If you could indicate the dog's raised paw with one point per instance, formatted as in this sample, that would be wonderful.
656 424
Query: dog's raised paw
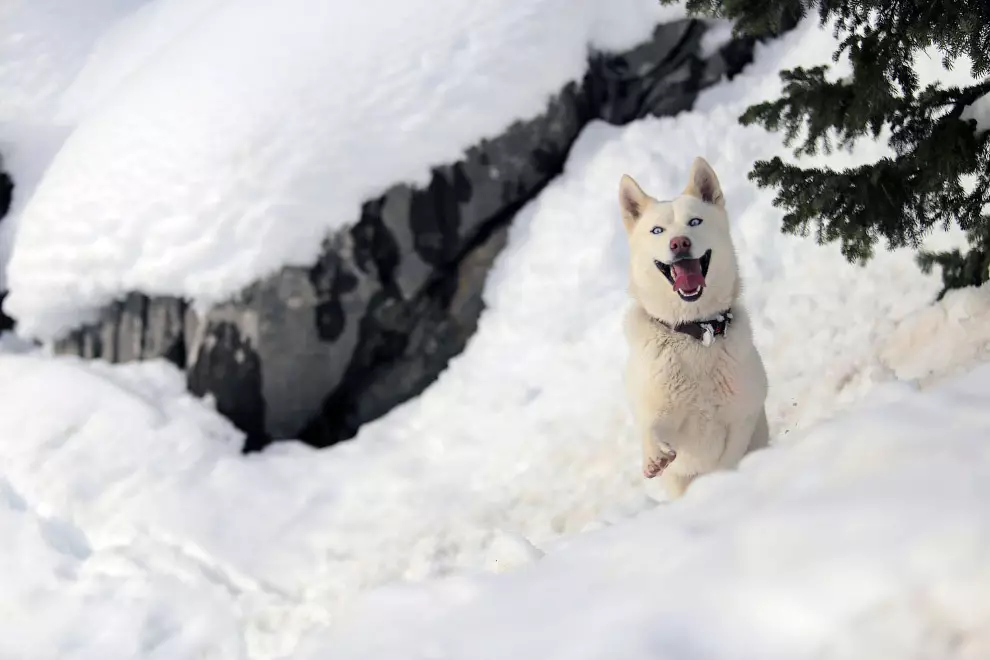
655 466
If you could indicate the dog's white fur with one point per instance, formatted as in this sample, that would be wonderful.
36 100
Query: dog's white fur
697 408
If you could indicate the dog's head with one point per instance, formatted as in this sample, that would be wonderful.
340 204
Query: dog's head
682 262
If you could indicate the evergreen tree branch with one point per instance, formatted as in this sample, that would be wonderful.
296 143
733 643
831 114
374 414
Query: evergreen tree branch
939 172
896 199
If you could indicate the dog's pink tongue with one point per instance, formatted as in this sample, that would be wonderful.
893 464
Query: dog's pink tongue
687 275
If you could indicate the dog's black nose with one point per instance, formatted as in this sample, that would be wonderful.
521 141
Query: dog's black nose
680 244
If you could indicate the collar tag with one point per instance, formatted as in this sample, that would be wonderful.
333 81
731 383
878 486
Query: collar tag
708 338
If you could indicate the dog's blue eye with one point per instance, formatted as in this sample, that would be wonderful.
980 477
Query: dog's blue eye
694 222
656 230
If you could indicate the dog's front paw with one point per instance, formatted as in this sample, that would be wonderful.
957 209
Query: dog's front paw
656 465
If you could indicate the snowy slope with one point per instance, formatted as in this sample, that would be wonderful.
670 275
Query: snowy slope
521 444
64 599
44 45
71 591
867 538
133 529
220 141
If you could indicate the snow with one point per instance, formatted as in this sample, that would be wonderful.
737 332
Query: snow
866 538
43 46
26 151
124 499
979 111
218 142
507 501
60 593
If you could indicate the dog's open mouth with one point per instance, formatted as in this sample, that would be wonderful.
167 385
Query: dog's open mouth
687 276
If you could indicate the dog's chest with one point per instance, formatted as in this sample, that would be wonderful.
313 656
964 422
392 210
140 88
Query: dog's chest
714 372
717 380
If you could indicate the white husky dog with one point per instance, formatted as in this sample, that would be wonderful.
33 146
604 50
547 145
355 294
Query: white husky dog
695 379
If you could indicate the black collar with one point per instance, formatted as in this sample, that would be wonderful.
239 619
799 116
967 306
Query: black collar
703 331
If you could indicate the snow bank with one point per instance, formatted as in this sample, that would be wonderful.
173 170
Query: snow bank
868 538
26 150
221 141
124 499
64 599
43 46
76 589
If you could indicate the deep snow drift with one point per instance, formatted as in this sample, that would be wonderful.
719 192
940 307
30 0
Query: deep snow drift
219 141
134 529
868 538
127 501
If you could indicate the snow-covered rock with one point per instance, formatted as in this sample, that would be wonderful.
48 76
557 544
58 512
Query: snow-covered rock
214 142
316 351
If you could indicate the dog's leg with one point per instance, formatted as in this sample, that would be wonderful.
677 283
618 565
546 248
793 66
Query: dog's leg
741 438
657 451
675 484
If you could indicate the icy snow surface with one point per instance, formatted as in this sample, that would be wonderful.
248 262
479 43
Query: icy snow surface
134 529
219 141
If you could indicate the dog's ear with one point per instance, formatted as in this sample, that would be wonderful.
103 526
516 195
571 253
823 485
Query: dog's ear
632 201
703 184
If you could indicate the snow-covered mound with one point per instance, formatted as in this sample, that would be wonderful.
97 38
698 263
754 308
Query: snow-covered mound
220 141
867 538
134 529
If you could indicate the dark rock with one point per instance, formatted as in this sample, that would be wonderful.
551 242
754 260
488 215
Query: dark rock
413 342
652 79
6 191
163 329
6 198
226 367
6 323
137 328
315 353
